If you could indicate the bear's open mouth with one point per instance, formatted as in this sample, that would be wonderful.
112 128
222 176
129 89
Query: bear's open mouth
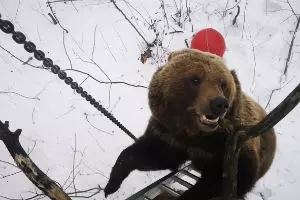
208 120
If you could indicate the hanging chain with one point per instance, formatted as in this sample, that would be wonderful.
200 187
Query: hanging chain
7 27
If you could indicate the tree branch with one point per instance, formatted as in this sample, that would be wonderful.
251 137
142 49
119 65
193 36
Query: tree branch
291 46
239 135
33 173
236 16
22 61
138 32
106 82
276 115
25 97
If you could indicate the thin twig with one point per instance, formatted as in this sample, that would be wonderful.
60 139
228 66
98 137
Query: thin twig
138 32
106 82
235 5
94 41
72 107
73 165
17 12
107 46
271 95
123 44
11 164
292 9
97 142
66 52
25 97
162 5
97 190
186 43
244 18
86 78
132 7
236 16
12 174
22 61
74 6
98 129
291 47
56 19
29 198
106 75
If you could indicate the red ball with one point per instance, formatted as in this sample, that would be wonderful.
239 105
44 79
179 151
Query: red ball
209 40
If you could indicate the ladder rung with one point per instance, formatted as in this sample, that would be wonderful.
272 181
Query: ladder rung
182 182
141 198
187 173
145 197
170 190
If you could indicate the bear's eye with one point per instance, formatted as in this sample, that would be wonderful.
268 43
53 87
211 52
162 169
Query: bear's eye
223 85
196 80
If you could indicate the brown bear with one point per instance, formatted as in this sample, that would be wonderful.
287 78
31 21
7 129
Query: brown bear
187 98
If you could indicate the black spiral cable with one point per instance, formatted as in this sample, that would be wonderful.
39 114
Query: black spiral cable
7 27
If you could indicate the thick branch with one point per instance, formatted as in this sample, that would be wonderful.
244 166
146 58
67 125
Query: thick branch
229 176
276 115
33 173
239 135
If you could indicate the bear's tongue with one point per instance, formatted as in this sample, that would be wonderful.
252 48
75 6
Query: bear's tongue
204 120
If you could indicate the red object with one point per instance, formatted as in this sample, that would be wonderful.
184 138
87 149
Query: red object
209 40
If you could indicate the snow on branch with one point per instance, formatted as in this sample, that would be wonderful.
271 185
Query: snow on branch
48 186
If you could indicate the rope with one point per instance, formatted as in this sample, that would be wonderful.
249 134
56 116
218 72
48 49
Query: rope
8 28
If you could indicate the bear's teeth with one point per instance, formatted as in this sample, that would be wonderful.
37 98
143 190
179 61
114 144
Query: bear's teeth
204 119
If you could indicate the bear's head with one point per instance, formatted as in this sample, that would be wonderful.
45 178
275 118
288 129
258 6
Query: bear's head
192 92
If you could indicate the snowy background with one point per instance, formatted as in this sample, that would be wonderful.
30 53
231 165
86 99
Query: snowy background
70 140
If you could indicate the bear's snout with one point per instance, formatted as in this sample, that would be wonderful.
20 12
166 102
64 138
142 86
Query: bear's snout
219 106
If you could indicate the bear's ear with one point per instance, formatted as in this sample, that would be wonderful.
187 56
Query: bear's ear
236 81
172 55
235 78
179 52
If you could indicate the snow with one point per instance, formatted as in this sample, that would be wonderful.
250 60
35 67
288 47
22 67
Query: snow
257 48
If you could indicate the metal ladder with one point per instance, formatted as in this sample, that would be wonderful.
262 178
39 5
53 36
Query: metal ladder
174 184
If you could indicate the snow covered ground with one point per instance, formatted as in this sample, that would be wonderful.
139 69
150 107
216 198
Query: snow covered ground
64 133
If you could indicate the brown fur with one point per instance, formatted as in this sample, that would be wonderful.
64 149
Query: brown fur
175 133
173 99
175 102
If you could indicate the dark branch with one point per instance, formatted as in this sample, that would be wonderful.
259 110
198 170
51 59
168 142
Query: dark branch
236 16
29 168
276 115
239 135
56 19
291 46
106 82
138 32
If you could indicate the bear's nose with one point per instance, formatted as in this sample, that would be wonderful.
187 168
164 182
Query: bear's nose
219 106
